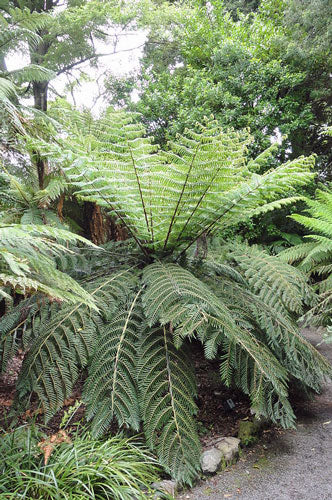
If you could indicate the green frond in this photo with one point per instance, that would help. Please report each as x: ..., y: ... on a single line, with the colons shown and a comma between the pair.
x: 53, y: 190
x: 27, y: 262
x: 32, y: 72
x: 321, y: 226
x: 296, y: 253
x: 7, y: 89
x: 12, y: 324
x: 278, y: 284
x: 270, y: 319
x: 61, y: 342
x: 111, y: 389
x: 174, y: 296
x: 315, y: 257
x: 167, y: 387
x: 168, y: 199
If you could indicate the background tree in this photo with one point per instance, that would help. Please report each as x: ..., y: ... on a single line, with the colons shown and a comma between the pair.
x: 264, y: 71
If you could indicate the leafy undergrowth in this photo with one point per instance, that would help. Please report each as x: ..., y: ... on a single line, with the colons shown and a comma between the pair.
x: 58, y: 467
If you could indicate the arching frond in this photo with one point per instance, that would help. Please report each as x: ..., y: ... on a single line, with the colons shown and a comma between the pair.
x: 168, y: 199
x: 27, y: 260
x: 61, y: 342
x: 315, y: 256
x: 174, y: 296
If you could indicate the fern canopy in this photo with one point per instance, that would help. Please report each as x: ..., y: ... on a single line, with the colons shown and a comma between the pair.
x: 167, y: 199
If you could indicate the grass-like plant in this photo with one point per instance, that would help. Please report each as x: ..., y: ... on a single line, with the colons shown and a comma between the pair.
x: 169, y: 285
x: 116, y: 469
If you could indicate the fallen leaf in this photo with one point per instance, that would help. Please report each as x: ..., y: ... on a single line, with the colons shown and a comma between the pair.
x: 48, y: 444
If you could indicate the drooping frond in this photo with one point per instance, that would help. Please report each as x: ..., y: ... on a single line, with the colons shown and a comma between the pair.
x: 167, y: 387
x: 111, y: 388
x: 279, y: 285
x: 319, y: 220
x: 12, y: 324
x: 20, y: 26
x: 32, y: 72
x: 61, y: 341
x: 174, y: 296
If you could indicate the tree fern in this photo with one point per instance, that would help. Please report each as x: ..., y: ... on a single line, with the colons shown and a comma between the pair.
x: 240, y: 303
x: 167, y: 199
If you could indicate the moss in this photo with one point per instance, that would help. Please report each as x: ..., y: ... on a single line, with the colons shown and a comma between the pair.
x: 249, y: 431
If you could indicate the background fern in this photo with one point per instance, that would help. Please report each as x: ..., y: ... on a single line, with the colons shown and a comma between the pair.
x: 315, y: 255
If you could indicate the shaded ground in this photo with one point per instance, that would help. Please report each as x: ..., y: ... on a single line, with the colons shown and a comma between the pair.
x: 286, y: 465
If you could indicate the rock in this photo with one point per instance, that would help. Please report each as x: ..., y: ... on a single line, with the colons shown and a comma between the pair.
x: 166, y: 486
x: 211, y: 460
x: 229, y: 447
x: 249, y: 431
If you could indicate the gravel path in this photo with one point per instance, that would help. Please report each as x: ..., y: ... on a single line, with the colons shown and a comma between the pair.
x: 294, y: 465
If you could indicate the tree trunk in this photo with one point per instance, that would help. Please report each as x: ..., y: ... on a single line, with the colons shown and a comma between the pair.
x: 94, y: 223
x: 40, y: 90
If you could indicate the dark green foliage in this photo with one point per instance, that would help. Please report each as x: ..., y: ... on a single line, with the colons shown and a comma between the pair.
x: 167, y: 390
x: 266, y: 66
x: 111, y: 390
x: 61, y: 341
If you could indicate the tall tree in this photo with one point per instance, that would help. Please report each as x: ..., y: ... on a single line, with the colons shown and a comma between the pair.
x: 261, y: 71
x: 72, y: 36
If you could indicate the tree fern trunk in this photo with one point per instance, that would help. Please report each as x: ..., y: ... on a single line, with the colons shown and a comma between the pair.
x: 93, y: 223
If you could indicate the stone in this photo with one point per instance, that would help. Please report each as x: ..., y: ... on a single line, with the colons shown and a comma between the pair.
x: 229, y: 447
x: 249, y: 431
x: 165, y: 486
x: 211, y: 460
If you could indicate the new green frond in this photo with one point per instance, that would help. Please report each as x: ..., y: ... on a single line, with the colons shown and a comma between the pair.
x: 166, y: 200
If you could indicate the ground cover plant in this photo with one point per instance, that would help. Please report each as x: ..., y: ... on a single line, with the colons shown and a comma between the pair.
x: 36, y: 467
x: 169, y: 284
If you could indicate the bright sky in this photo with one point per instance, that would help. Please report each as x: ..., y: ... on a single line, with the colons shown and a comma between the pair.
x: 123, y: 62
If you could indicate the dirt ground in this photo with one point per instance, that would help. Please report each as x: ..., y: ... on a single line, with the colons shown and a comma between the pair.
x: 286, y: 465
